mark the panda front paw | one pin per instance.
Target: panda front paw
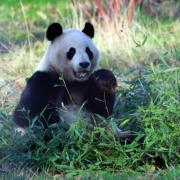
(105, 80)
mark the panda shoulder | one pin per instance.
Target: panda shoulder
(43, 79)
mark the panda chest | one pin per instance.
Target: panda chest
(76, 96)
(70, 112)
(76, 93)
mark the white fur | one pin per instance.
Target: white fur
(20, 130)
(55, 57)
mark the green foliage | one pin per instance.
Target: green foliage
(148, 98)
(150, 106)
(34, 10)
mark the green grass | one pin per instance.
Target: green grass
(146, 61)
(36, 10)
(172, 173)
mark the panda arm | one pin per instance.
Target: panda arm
(101, 94)
(39, 95)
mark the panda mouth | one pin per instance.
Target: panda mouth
(81, 74)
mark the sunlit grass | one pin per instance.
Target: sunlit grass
(149, 51)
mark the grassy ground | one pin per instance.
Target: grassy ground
(146, 61)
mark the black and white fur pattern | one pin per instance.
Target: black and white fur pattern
(55, 59)
(65, 77)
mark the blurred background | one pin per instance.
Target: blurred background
(127, 32)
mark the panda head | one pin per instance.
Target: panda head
(71, 53)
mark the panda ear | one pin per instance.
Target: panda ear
(88, 29)
(54, 30)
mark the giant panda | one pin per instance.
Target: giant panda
(66, 77)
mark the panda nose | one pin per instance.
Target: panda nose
(84, 64)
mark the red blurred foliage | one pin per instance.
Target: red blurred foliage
(131, 9)
(107, 10)
(116, 6)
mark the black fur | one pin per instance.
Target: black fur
(54, 30)
(88, 30)
(89, 53)
(71, 53)
(39, 95)
(45, 92)
(100, 92)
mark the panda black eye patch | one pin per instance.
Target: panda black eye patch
(89, 53)
(71, 53)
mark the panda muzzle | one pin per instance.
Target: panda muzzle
(81, 74)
